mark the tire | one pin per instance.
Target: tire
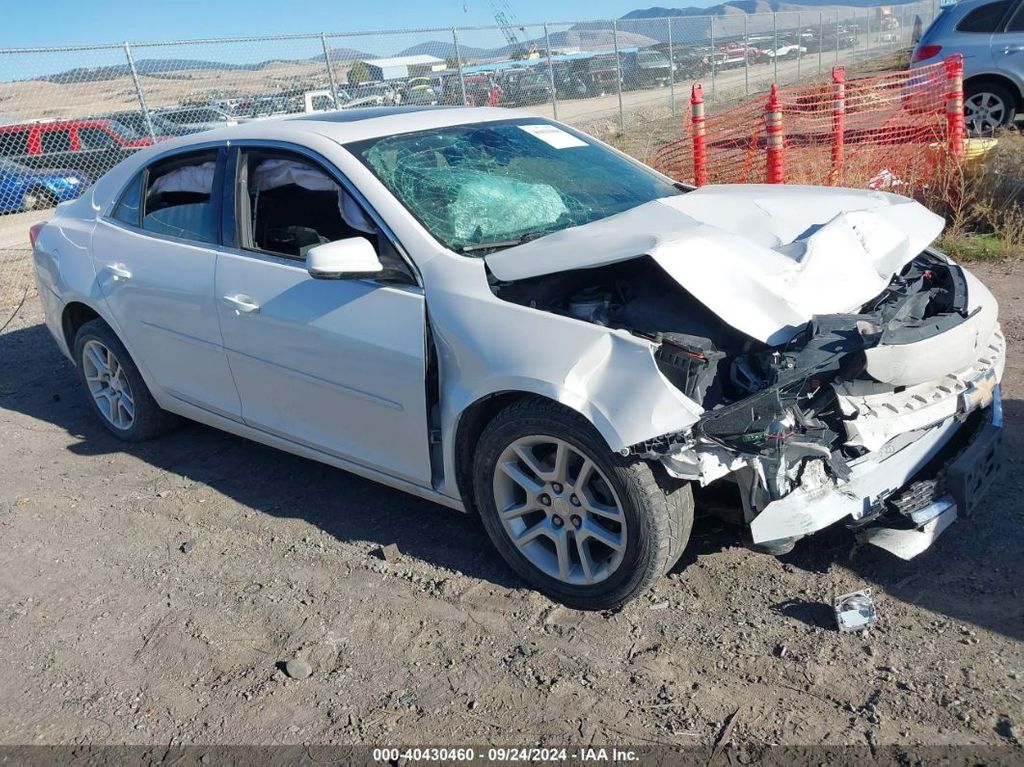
(130, 412)
(988, 107)
(646, 524)
(37, 199)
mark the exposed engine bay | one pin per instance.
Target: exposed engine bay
(777, 412)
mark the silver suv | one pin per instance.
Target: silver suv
(990, 35)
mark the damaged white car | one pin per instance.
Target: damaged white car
(504, 315)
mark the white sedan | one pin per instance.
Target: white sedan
(501, 314)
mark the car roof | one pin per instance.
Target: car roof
(348, 125)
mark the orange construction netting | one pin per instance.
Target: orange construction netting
(888, 131)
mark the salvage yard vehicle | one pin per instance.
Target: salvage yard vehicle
(23, 189)
(504, 315)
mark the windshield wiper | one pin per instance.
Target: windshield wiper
(511, 243)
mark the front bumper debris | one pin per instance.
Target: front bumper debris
(960, 485)
(879, 476)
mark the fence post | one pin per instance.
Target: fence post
(746, 58)
(551, 73)
(775, 44)
(697, 130)
(139, 92)
(838, 124)
(955, 127)
(776, 171)
(330, 70)
(821, 38)
(458, 59)
(618, 74)
(671, 70)
(714, 61)
(837, 36)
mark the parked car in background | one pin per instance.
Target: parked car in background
(88, 146)
(501, 314)
(418, 91)
(23, 189)
(136, 123)
(193, 119)
(646, 69)
(523, 86)
(989, 34)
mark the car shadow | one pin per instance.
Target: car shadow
(972, 574)
(37, 381)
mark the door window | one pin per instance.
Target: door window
(293, 204)
(54, 141)
(179, 198)
(94, 138)
(984, 19)
(1016, 23)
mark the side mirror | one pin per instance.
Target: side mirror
(350, 258)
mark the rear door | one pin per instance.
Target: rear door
(156, 257)
(98, 151)
(336, 365)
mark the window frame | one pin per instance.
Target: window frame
(216, 195)
(235, 237)
(1013, 13)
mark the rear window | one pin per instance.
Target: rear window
(984, 19)
(13, 143)
(179, 198)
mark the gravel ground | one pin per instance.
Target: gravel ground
(154, 593)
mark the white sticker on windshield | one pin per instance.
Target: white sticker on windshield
(554, 136)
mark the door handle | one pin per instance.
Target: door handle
(1013, 49)
(242, 304)
(119, 272)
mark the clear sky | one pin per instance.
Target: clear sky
(77, 22)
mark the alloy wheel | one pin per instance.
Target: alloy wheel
(108, 385)
(559, 510)
(983, 113)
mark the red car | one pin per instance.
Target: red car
(90, 146)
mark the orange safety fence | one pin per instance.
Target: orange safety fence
(883, 132)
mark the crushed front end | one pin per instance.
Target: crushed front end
(888, 418)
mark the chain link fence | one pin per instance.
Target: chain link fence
(67, 115)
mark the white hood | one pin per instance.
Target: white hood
(763, 258)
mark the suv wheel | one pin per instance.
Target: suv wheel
(582, 524)
(115, 387)
(987, 107)
(37, 199)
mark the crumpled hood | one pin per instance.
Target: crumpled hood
(763, 258)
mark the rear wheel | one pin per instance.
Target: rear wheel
(582, 524)
(988, 107)
(115, 387)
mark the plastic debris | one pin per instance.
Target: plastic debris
(855, 611)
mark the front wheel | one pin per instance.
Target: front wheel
(585, 526)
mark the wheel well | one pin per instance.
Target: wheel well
(75, 315)
(472, 422)
(990, 79)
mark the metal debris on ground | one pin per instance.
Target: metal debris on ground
(389, 553)
(855, 611)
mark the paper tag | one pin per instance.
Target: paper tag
(553, 136)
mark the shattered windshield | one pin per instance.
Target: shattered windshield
(481, 187)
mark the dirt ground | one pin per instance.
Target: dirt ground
(151, 594)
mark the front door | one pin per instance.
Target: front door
(336, 365)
